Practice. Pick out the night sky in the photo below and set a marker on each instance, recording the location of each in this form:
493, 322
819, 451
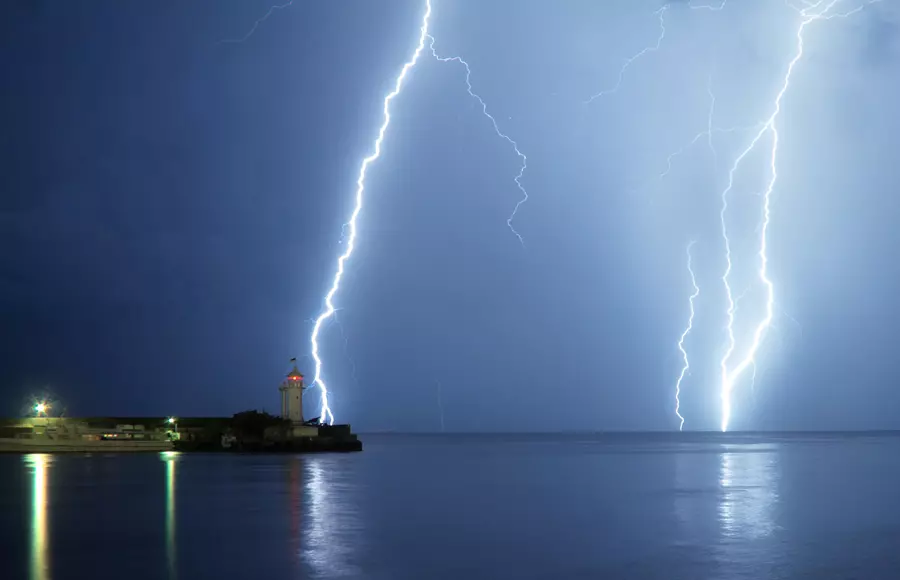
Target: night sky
171, 208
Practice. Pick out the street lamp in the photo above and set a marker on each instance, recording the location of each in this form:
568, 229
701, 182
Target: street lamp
41, 408
174, 423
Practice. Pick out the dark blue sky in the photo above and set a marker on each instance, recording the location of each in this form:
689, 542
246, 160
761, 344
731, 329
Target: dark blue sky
171, 211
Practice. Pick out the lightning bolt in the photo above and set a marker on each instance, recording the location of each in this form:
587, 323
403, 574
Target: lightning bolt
258, 22
812, 12
501, 134
709, 7
687, 365
710, 130
753, 377
661, 13
708, 133
329, 309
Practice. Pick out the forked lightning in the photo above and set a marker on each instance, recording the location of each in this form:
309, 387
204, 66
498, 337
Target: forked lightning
690, 325
811, 12
350, 226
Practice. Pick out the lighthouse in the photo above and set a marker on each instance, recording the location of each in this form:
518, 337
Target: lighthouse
292, 396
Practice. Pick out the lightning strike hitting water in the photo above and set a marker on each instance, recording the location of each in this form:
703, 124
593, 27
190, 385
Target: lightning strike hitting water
501, 134
687, 365
329, 310
812, 11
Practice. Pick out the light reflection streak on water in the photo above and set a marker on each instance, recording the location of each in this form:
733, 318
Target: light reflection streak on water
39, 464
748, 484
170, 458
329, 546
316, 547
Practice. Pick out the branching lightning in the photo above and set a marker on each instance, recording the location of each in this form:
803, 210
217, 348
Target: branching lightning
690, 325
501, 134
350, 227
709, 132
710, 7
329, 310
764, 134
258, 22
661, 13
811, 12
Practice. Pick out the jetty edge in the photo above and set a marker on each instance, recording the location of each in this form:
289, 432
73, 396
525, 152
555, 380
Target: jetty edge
248, 431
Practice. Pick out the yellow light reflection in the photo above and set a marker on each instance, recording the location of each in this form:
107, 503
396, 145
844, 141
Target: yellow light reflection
171, 459
39, 464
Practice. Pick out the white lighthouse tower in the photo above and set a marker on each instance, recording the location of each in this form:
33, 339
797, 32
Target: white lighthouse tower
292, 396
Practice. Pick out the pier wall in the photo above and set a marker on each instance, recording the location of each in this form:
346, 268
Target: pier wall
47, 445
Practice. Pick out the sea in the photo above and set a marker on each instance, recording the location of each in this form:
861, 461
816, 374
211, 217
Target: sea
432, 507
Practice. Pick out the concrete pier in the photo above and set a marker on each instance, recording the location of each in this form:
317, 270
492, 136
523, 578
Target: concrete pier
70, 446
155, 434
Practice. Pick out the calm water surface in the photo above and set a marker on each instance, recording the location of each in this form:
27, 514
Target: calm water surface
435, 507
